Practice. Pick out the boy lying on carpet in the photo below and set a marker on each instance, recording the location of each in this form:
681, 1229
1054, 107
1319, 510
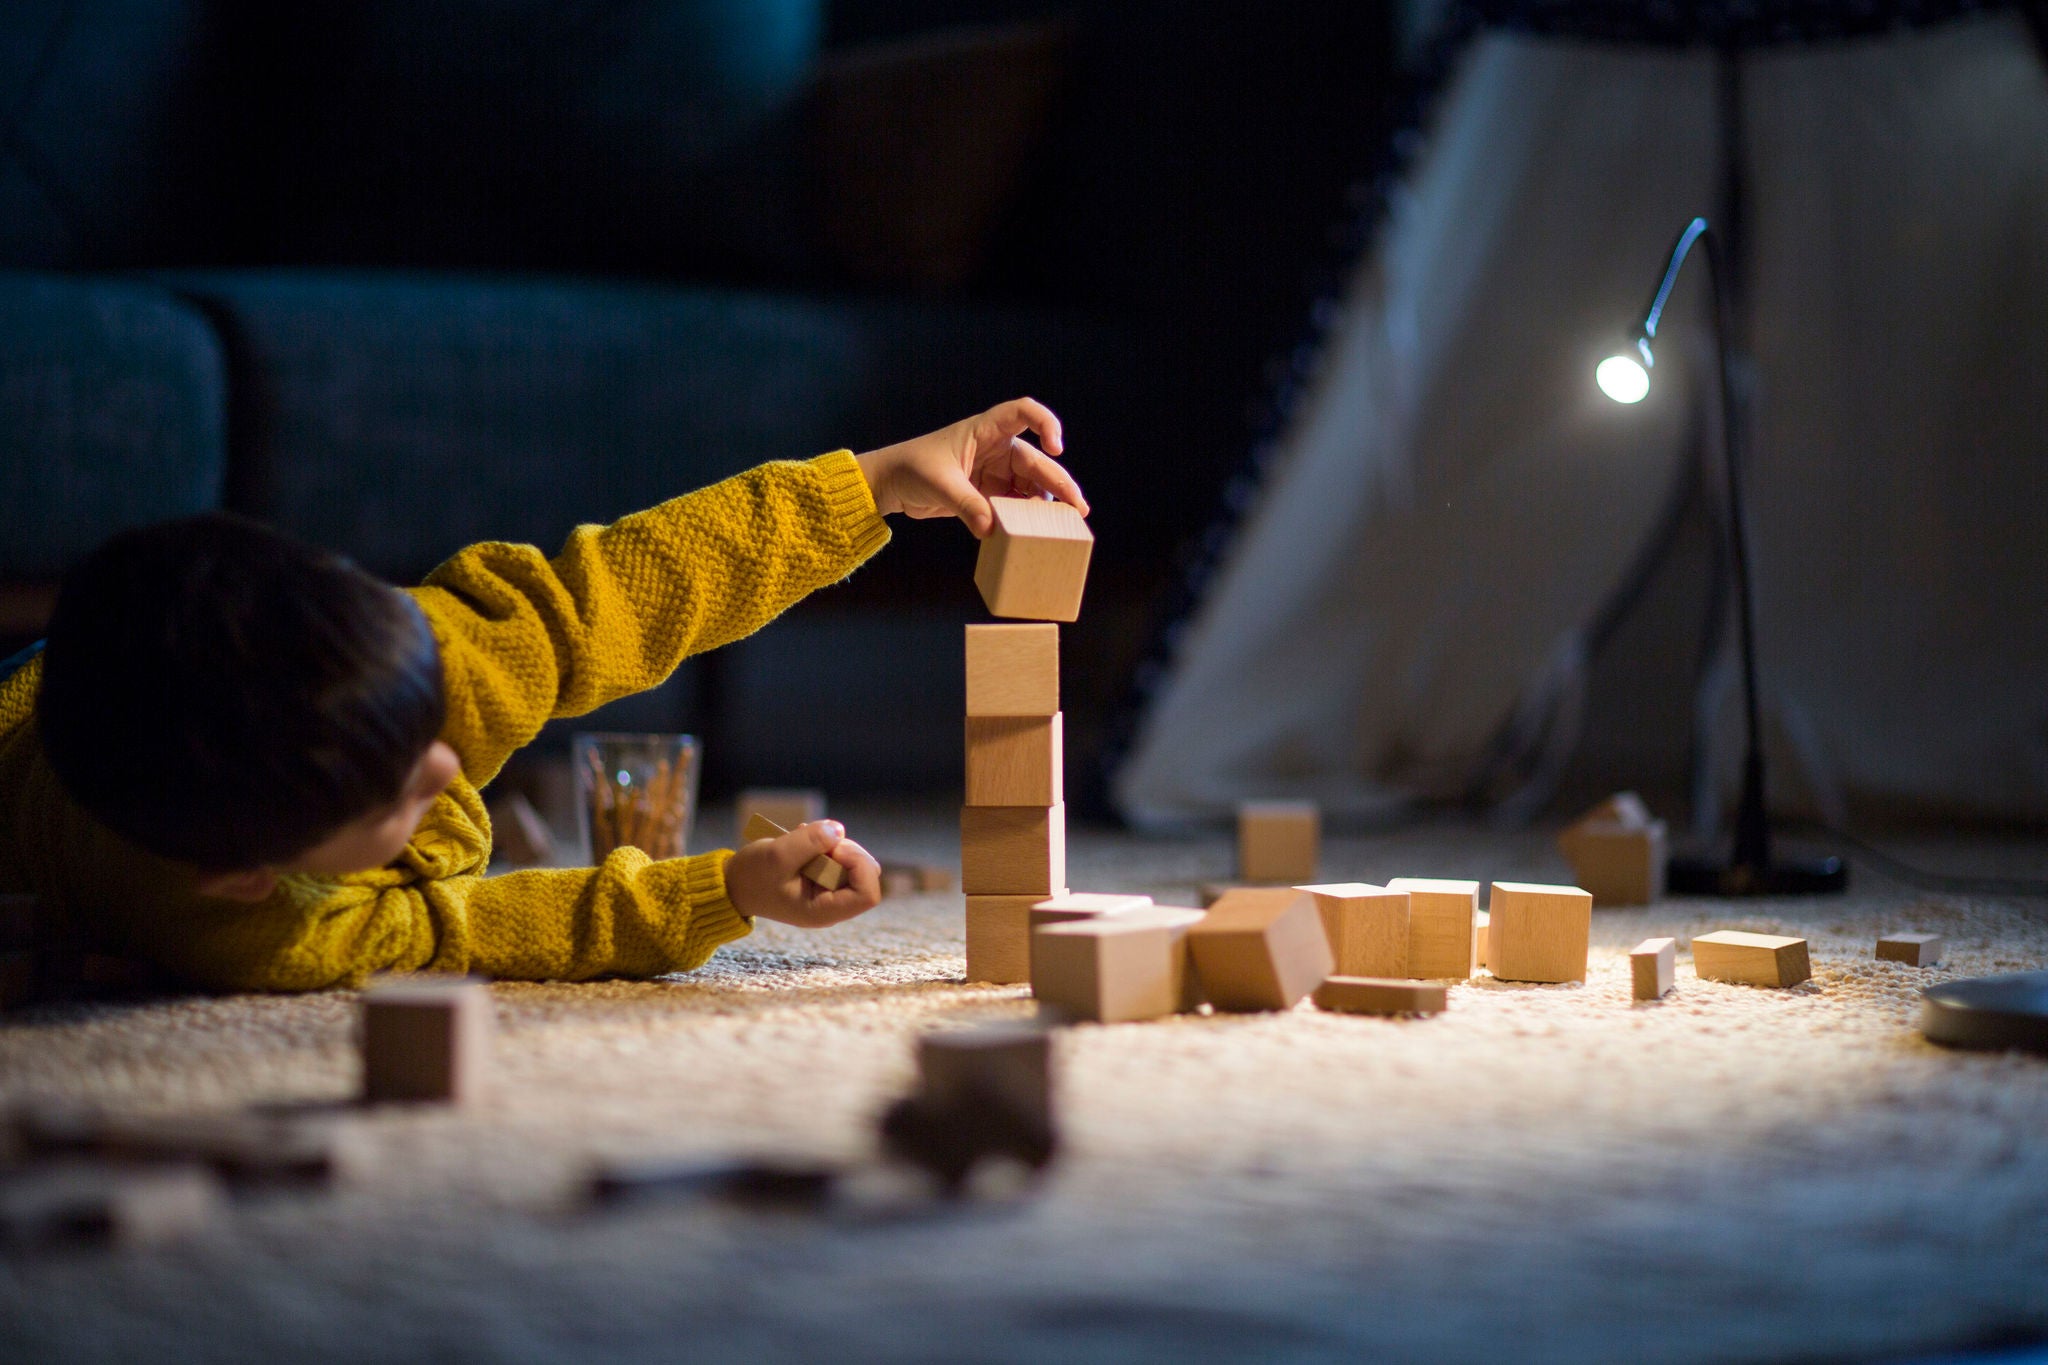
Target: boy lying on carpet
253, 765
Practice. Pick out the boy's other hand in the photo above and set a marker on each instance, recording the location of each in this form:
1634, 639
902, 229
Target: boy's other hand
955, 471
765, 878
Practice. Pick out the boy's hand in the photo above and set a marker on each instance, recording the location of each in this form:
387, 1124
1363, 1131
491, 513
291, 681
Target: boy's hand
954, 472
765, 878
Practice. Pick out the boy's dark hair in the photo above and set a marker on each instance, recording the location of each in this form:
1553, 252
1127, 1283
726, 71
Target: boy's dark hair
226, 696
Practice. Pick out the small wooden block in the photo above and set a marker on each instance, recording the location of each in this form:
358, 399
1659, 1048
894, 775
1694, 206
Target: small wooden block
1278, 841
1750, 959
823, 869
1011, 850
1010, 1064
1618, 864
1260, 949
1653, 966
1367, 927
1070, 906
427, 1040
1013, 670
911, 879
1178, 919
69, 1204
1015, 760
1915, 950
1538, 933
999, 938
788, 807
1034, 564
1441, 914
1381, 995
1107, 969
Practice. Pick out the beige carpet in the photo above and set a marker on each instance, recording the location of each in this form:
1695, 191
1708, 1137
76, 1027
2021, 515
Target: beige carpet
1541, 1173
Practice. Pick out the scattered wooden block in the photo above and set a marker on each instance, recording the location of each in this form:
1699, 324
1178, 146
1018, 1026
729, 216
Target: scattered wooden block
1441, 918
1381, 995
73, 1204
999, 938
1178, 919
1915, 950
1113, 968
910, 879
1005, 1064
1260, 950
1367, 927
1618, 864
1015, 760
426, 1039
1069, 906
788, 807
1750, 959
1538, 933
241, 1148
1653, 967
1034, 564
518, 834
1010, 850
1278, 841
823, 869
1013, 670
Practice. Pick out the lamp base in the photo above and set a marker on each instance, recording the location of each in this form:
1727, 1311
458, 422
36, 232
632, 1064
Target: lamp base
1789, 877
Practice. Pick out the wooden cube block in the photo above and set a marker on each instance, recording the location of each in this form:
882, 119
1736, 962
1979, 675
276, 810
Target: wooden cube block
1915, 950
1007, 1064
826, 871
1367, 927
787, 807
913, 879
1538, 933
427, 1039
1750, 959
1653, 967
1069, 906
1011, 850
1178, 919
1015, 760
1278, 841
1109, 969
1381, 995
1013, 670
1618, 864
1260, 950
73, 1204
1441, 916
1034, 564
999, 938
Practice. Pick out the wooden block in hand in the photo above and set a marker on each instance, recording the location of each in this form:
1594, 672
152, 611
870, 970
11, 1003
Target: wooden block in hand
787, 807
1013, 670
1011, 850
1915, 950
823, 869
1441, 916
999, 938
1034, 564
1380, 995
1619, 864
1260, 949
1750, 959
1015, 760
1538, 933
1367, 927
1278, 841
1653, 967
73, 1204
1113, 968
1008, 1064
427, 1039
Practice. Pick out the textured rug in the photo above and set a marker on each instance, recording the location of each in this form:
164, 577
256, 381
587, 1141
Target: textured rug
1544, 1173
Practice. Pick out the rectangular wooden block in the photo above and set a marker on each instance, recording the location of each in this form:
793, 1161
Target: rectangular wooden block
1653, 967
1915, 950
999, 938
1011, 850
1177, 919
1034, 564
1015, 760
1260, 949
1008, 1064
425, 1039
1278, 841
1367, 927
1106, 970
1538, 933
788, 807
75, 1204
912, 879
823, 869
1013, 670
1441, 916
1381, 995
1069, 906
1618, 864
1750, 959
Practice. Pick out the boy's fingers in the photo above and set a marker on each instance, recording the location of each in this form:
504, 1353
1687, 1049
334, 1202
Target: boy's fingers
966, 502
1028, 414
794, 850
1034, 469
863, 872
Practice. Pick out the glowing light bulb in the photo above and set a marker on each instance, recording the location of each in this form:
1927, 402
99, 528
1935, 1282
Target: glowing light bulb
1622, 379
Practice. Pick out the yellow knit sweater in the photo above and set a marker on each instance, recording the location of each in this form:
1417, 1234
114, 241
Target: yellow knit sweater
523, 639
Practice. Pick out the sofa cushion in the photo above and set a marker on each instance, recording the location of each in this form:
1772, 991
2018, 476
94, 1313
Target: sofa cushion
112, 414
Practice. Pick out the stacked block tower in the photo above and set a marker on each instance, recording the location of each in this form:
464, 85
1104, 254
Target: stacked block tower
1013, 825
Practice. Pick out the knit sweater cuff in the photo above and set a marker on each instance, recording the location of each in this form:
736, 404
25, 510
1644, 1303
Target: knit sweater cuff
714, 919
852, 501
